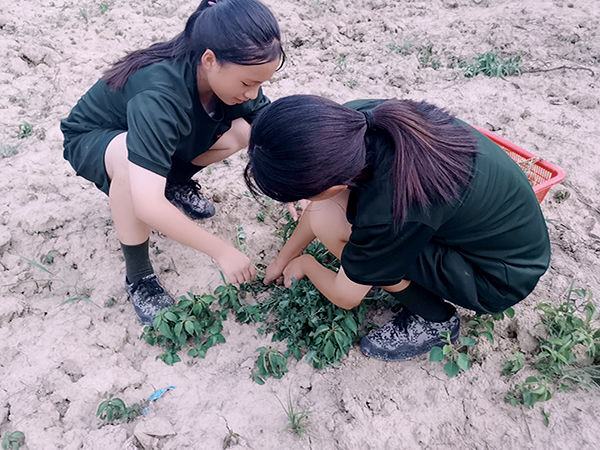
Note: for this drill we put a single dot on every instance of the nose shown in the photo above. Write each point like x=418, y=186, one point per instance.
x=252, y=93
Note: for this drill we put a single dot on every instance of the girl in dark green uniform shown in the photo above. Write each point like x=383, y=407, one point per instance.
x=408, y=198
x=161, y=114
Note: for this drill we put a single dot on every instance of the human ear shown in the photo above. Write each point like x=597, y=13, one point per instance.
x=208, y=61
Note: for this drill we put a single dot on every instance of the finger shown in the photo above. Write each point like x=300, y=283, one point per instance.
x=292, y=209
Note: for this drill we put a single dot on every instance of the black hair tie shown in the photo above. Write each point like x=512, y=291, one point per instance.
x=369, y=118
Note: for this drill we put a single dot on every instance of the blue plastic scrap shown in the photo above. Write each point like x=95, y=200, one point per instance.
x=158, y=394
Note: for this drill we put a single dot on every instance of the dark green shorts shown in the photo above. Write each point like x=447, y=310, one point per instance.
x=85, y=152
x=447, y=273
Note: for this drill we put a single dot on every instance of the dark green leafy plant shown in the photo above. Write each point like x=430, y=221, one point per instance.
x=192, y=319
x=114, y=409
x=270, y=363
x=456, y=359
x=13, y=440
x=569, y=338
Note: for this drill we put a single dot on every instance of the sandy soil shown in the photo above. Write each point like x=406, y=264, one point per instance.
x=58, y=359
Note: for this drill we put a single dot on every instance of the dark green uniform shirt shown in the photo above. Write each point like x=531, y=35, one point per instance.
x=485, y=251
x=160, y=109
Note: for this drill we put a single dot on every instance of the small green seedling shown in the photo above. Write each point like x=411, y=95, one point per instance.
x=514, y=364
x=73, y=290
x=241, y=239
x=114, y=409
x=491, y=65
x=25, y=130
x=296, y=419
x=483, y=324
x=7, y=150
x=532, y=391
x=270, y=363
x=13, y=440
x=450, y=352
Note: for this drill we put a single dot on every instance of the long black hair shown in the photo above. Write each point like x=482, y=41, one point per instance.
x=241, y=32
x=302, y=145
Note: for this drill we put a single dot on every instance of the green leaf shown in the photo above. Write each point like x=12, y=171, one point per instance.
x=468, y=342
x=33, y=263
x=351, y=324
x=489, y=336
x=329, y=350
x=436, y=354
x=451, y=369
x=510, y=313
x=463, y=361
x=258, y=380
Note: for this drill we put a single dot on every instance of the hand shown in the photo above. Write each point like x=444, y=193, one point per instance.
x=236, y=266
x=273, y=272
x=294, y=270
x=295, y=213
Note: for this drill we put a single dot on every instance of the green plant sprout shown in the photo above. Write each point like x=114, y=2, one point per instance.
x=483, y=324
x=569, y=351
x=192, y=319
x=270, y=363
x=296, y=419
x=25, y=130
x=455, y=359
x=533, y=390
x=114, y=409
x=514, y=364
x=7, y=150
x=74, y=292
x=491, y=65
x=13, y=440
x=241, y=239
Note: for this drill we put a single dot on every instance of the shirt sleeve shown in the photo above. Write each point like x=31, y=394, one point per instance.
x=376, y=256
x=155, y=124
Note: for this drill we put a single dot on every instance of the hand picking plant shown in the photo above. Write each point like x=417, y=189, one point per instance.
x=192, y=319
x=13, y=440
x=270, y=363
x=114, y=409
x=451, y=353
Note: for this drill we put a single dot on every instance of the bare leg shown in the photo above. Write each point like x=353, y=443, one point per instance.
x=130, y=229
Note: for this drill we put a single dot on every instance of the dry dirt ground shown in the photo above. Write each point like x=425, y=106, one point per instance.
x=57, y=360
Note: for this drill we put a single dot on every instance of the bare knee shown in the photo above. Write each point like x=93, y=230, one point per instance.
x=115, y=158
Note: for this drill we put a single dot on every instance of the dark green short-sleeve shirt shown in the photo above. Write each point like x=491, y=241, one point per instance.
x=495, y=229
x=160, y=109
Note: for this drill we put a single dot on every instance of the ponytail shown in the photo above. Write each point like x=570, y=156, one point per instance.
x=241, y=32
x=432, y=154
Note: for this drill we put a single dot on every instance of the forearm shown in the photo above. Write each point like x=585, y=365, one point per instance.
x=335, y=286
x=296, y=244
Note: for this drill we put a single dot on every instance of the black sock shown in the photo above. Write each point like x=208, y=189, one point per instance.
x=424, y=303
x=181, y=174
x=137, y=261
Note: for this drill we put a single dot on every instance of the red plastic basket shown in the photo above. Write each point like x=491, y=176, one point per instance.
x=541, y=174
